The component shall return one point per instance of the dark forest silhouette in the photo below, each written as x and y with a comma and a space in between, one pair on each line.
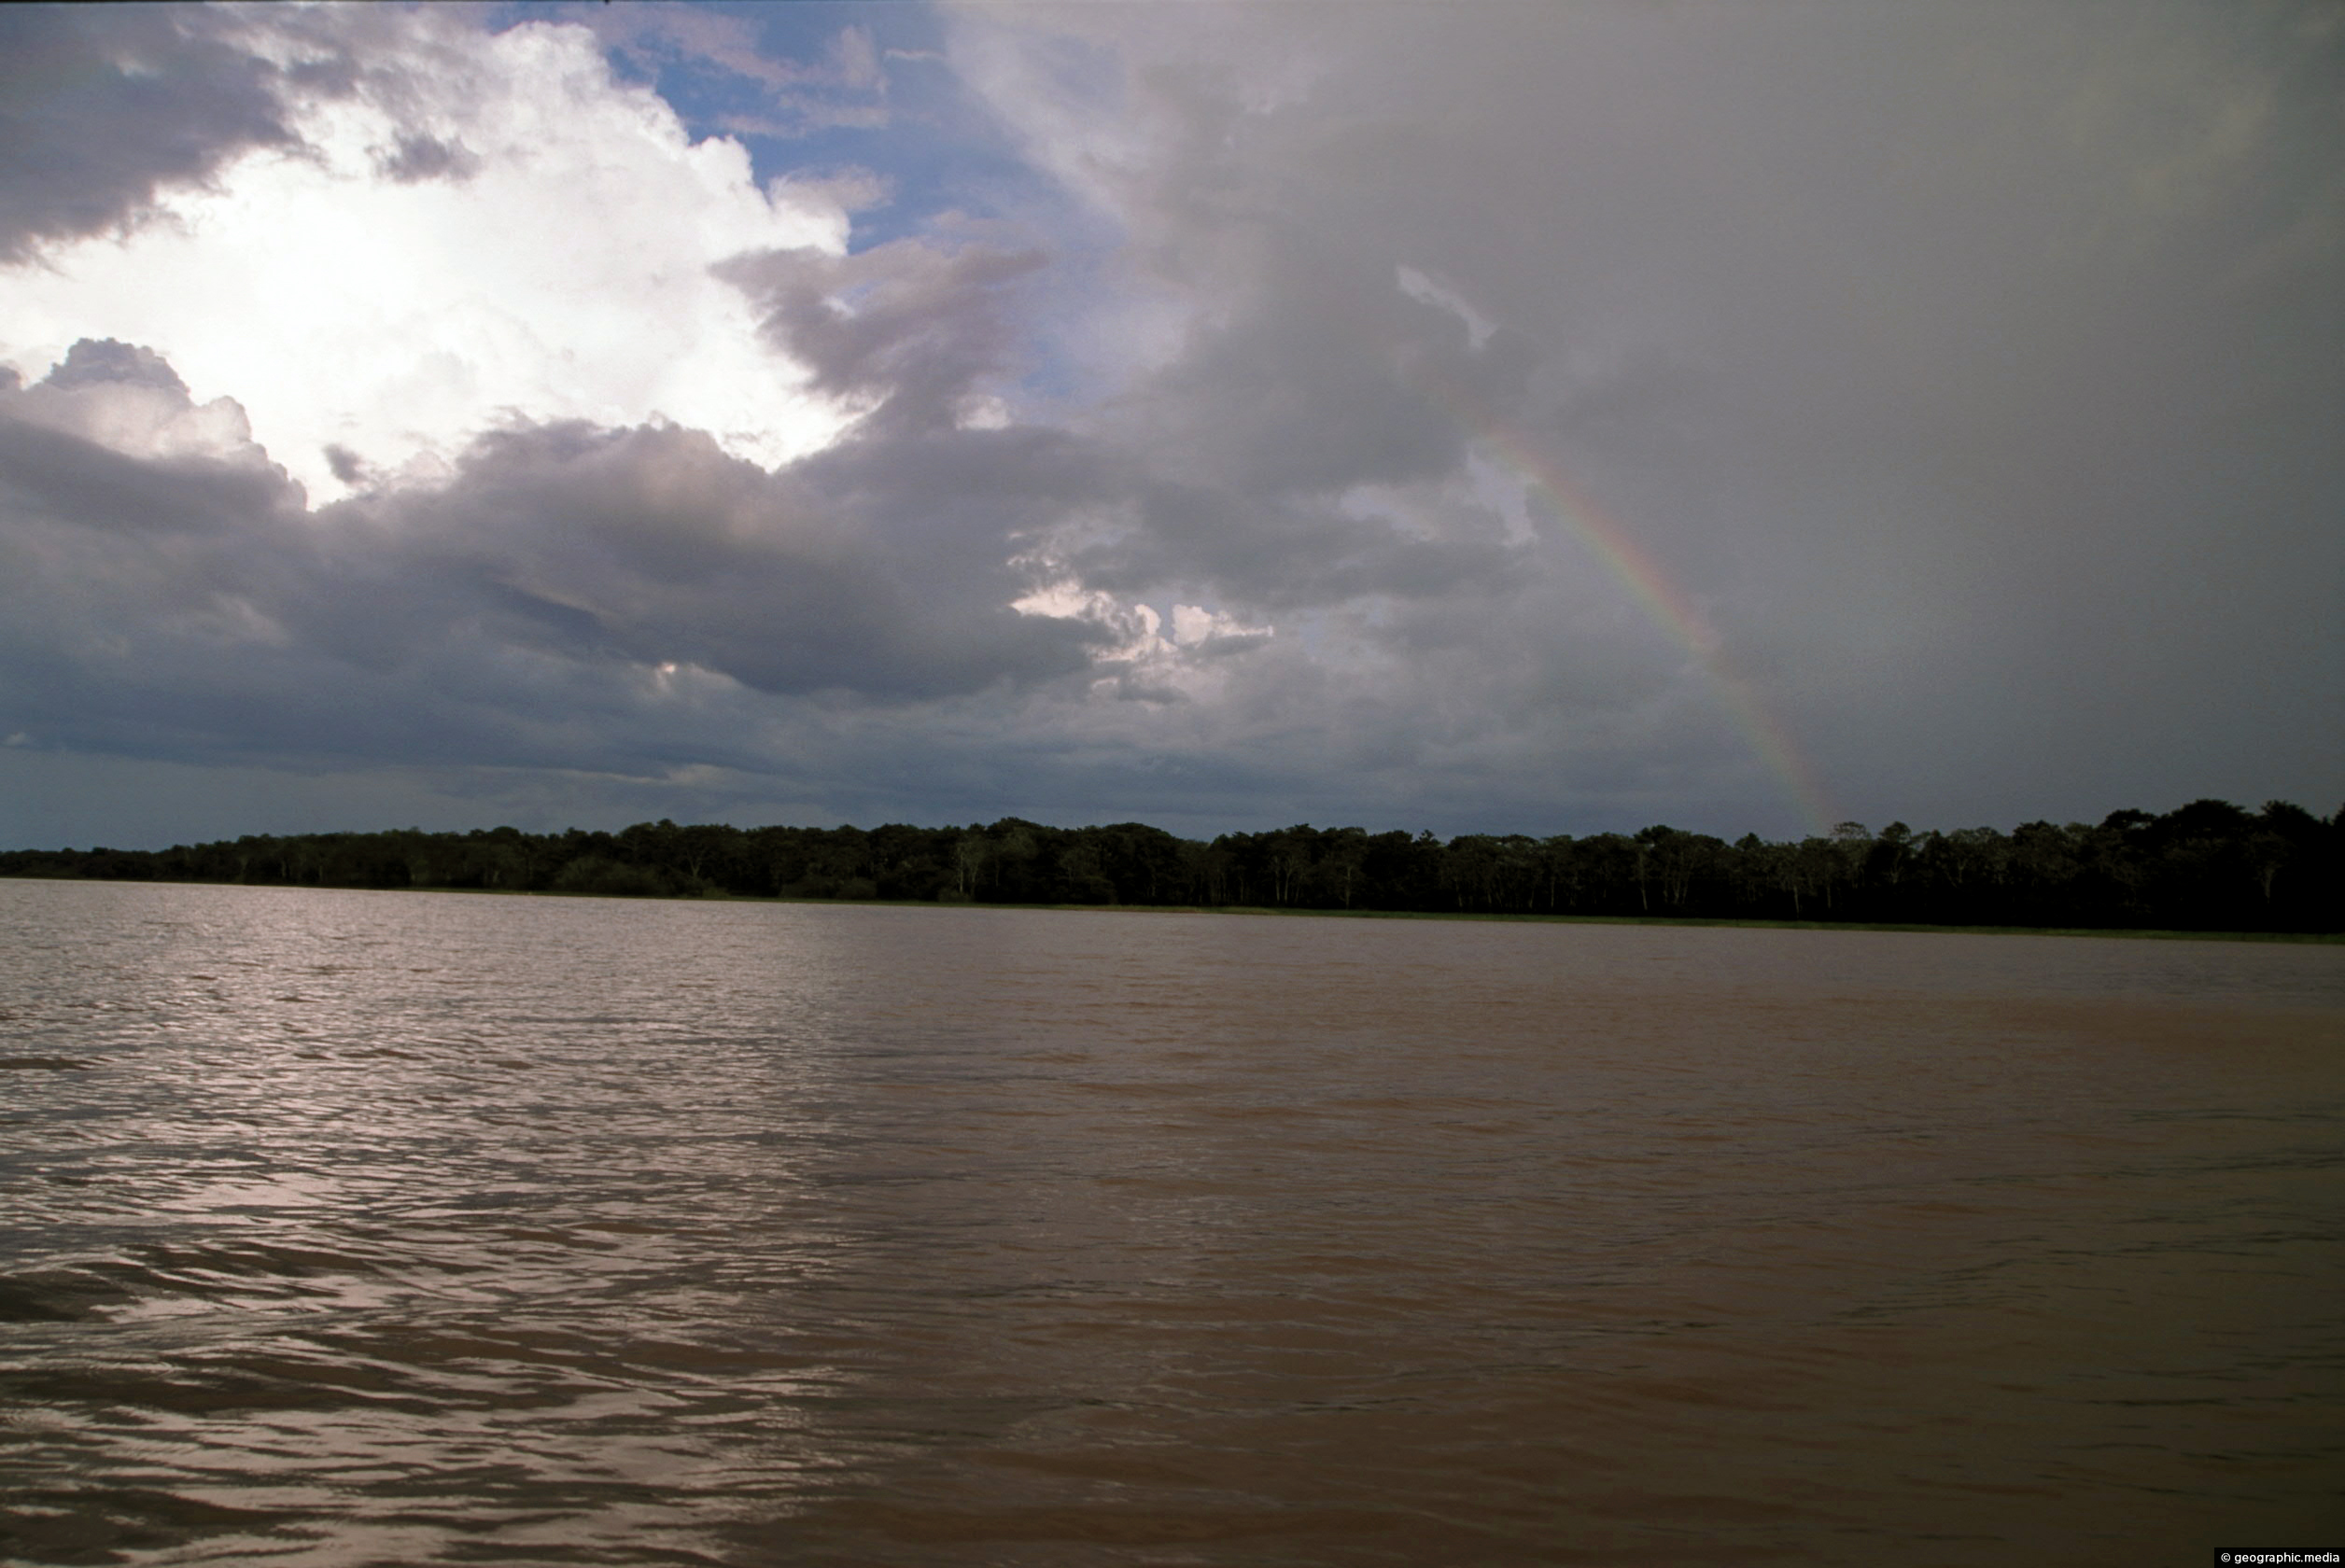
2207, 866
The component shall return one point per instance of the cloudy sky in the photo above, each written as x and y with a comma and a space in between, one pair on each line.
1551, 417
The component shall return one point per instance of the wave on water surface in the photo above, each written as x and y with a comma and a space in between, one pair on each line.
374, 1229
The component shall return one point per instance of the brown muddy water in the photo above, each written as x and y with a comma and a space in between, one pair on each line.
343, 1228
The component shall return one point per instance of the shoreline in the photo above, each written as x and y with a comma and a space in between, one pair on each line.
1267, 912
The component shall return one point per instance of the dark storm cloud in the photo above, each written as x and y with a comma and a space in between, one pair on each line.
653, 546
917, 327
912, 326
1276, 553
1973, 371
103, 106
1323, 377
540, 605
55, 478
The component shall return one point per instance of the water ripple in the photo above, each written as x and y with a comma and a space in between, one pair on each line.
375, 1228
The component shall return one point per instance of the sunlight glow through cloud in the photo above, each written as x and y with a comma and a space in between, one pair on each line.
472, 237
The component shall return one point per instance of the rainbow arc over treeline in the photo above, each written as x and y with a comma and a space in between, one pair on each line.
1669, 605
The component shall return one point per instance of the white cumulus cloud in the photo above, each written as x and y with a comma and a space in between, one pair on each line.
483, 228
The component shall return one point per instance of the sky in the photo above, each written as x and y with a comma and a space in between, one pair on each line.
1475, 417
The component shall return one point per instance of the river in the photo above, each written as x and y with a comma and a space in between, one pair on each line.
348, 1227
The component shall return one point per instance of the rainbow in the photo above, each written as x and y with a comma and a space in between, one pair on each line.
1669, 605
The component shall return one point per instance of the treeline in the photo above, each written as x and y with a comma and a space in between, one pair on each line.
2208, 866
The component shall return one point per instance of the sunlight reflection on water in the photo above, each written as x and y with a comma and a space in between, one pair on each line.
404, 1228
